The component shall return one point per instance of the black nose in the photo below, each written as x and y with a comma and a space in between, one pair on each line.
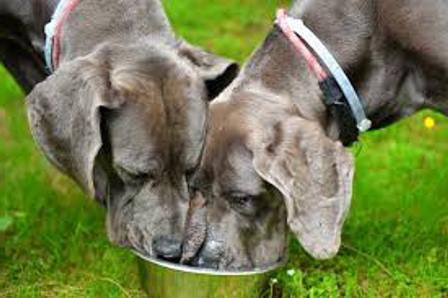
167, 247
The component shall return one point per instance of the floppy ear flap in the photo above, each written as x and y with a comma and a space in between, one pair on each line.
315, 176
217, 72
64, 115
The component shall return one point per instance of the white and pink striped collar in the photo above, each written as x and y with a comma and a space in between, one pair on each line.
329, 73
53, 31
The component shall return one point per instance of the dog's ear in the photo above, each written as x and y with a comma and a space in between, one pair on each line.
64, 115
217, 72
314, 175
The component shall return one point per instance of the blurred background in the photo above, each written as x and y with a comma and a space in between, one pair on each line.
395, 243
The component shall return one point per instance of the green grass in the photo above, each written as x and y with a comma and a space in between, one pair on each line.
53, 242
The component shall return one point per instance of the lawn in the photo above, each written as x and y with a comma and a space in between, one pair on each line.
395, 243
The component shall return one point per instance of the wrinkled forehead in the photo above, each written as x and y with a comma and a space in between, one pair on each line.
164, 113
227, 160
235, 172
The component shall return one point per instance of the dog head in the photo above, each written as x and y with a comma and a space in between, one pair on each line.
265, 168
127, 123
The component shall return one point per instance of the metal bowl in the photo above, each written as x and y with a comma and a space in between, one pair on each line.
161, 279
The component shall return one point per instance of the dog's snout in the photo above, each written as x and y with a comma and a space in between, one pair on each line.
167, 247
211, 255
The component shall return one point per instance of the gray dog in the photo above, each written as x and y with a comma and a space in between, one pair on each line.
274, 153
124, 114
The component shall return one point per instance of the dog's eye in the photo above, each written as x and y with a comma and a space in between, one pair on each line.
142, 176
244, 203
135, 176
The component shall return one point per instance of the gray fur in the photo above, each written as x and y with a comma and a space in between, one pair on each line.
125, 114
271, 134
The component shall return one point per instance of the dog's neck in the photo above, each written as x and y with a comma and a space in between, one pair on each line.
117, 22
351, 32
93, 22
24, 21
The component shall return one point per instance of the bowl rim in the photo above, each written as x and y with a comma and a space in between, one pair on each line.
206, 271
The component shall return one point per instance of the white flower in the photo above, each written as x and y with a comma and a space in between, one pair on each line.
291, 272
274, 281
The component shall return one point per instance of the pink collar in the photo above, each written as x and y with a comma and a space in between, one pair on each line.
340, 96
301, 48
53, 31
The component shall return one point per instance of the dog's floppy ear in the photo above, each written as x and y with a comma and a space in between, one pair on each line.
314, 175
64, 115
217, 72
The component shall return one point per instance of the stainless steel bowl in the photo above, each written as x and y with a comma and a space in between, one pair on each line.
162, 279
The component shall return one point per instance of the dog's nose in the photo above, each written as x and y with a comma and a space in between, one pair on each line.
167, 247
